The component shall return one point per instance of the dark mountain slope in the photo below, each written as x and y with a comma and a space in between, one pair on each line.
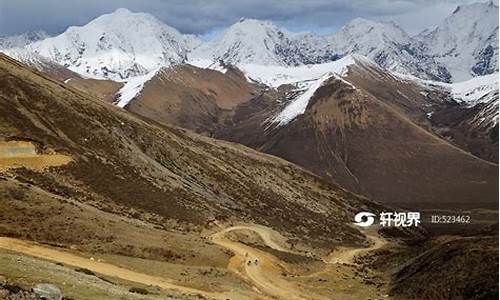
159, 173
371, 135
193, 98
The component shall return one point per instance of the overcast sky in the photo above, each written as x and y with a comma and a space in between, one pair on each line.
206, 17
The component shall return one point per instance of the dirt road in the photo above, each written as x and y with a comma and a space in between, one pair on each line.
103, 268
347, 255
260, 269
15, 154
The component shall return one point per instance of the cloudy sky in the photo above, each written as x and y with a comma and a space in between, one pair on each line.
204, 17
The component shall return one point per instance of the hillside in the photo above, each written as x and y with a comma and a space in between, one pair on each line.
116, 203
368, 131
251, 162
467, 114
365, 129
162, 172
197, 99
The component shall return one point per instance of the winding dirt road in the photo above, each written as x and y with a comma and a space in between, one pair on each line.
260, 269
347, 255
266, 274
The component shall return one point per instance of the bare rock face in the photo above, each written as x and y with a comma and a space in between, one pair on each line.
48, 291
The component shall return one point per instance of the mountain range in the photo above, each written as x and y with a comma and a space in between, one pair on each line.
21, 40
265, 87
124, 44
138, 162
466, 42
108, 48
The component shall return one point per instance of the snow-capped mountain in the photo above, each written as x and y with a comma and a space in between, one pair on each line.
316, 47
386, 44
306, 89
263, 43
480, 92
116, 46
253, 42
123, 44
21, 40
478, 96
466, 42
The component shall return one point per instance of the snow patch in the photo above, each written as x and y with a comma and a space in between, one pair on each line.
472, 91
469, 92
299, 105
207, 64
133, 87
478, 90
275, 76
307, 79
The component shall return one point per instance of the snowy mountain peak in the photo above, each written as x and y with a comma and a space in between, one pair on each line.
478, 6
251, 28
252, 41
21, 40
124, 44
466, 42
125, 16
250, 23
307, 80
366, 33
121, 11
116, 46
386, 44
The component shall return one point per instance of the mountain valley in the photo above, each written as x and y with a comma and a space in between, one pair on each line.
138, 161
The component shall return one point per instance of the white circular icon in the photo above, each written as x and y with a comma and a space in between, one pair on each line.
364, 219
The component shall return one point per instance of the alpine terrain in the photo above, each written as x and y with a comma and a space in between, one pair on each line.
141, 161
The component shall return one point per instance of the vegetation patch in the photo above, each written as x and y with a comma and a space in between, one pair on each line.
138, 290
85, 271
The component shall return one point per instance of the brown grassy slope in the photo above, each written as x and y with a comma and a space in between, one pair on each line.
373, 140
459, 124
191, 97
48, 67
104, 89
32, 213
164, 173
461, 268
464, 126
